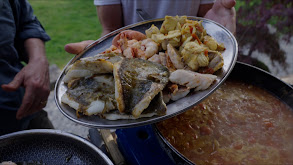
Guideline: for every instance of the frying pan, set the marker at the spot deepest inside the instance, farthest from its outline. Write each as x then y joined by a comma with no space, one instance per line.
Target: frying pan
42,146
250,75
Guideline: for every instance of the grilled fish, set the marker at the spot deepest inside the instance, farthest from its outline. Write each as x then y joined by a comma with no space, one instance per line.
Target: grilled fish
91,96
137,82
88,66
192,79
156,107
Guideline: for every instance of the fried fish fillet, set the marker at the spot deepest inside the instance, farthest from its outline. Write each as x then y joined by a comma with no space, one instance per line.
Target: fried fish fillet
156,107
88,66
175,57
91,96
192,79
137,82
216,60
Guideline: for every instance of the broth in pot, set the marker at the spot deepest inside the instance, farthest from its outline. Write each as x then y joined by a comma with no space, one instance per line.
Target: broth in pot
238,124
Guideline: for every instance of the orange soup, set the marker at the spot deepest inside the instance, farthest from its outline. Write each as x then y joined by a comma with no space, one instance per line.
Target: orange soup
237,124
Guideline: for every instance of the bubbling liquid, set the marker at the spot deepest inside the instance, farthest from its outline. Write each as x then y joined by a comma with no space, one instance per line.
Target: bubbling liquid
237,124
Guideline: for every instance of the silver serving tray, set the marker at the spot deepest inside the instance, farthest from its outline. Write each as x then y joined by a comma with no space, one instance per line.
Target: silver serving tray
214,29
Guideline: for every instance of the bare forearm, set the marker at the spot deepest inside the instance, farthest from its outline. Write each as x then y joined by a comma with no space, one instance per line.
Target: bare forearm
34,77
110,17
35,48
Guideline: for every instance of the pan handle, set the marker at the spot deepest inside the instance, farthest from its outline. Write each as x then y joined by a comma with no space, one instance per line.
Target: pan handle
104,140
96,138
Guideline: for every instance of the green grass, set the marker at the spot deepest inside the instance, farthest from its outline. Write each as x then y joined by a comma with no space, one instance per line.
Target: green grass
66,21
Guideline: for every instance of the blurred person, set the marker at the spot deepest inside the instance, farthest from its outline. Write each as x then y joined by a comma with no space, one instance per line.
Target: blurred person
24,88
115,14
112,14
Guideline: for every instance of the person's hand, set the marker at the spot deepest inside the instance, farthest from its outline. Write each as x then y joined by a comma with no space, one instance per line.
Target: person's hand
76,48
223,12
35,78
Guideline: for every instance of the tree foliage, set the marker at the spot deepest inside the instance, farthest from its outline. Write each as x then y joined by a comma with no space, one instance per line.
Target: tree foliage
254,19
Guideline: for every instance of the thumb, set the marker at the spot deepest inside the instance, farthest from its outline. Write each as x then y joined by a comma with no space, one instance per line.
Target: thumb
75,48
228,4
14,84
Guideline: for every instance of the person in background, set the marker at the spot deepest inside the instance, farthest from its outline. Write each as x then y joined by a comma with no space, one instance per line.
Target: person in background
114,14
24,88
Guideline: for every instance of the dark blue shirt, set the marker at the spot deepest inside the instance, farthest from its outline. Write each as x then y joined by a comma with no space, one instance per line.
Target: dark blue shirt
17,23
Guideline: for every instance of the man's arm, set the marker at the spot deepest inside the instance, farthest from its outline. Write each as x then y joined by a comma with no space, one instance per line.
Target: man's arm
110,17
34,77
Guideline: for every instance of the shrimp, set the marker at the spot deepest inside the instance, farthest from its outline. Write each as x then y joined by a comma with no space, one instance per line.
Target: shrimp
135,44
112,49
133,52
132,49
149,47
128,35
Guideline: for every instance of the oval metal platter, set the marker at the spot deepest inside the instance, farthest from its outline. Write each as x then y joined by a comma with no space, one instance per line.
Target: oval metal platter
214,29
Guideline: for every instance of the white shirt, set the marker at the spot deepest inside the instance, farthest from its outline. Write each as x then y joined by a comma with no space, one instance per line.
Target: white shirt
155,8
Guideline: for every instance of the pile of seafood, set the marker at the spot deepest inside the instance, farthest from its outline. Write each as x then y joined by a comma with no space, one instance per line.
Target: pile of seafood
139,73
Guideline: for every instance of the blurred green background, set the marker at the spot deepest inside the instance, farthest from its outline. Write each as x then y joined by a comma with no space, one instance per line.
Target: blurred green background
66,21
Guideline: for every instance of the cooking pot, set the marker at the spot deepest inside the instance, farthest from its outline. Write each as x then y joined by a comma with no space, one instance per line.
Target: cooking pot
250,75
42,146
148,138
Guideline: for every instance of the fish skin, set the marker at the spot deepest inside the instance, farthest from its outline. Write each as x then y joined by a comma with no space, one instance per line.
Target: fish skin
137,82
91,93
156,107
88,66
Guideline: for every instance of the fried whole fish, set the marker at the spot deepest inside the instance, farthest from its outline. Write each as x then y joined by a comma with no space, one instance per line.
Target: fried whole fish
137,82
